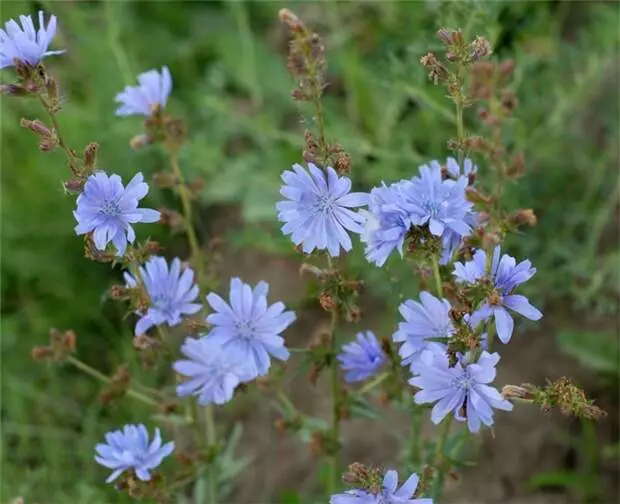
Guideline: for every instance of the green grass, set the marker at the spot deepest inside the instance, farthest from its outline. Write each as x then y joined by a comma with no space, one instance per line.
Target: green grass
231,84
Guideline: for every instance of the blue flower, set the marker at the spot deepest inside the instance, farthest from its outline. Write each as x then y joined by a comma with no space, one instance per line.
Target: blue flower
461,390
387,223
454,170
130,449
108,209
452,241
439,203
362,358
389,494
213,372
505,276
171,293
423,321
247,327
25,43
152,91
317,213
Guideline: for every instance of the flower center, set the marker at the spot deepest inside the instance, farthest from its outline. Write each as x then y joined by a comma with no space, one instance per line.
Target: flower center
465,381
244,330
433,207
110,209
162,303
324,204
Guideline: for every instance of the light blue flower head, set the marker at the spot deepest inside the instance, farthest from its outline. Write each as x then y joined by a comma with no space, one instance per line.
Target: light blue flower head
108,209
317,211
129,449
247,328
25,43
153,90
171,292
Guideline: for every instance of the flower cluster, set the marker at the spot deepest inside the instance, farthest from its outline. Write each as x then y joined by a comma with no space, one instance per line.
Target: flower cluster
388,493
428,200
444,342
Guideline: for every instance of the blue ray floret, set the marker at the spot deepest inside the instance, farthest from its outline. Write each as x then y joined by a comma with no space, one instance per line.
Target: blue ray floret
152,91
248,328
171,292
423,321
213,373
362,358
129,449
25,43
387,223
108,209
505,275
317,211
461,390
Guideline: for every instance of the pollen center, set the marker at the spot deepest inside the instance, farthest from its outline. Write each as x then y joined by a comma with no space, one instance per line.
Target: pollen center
110,209
465,381
245,330
324,204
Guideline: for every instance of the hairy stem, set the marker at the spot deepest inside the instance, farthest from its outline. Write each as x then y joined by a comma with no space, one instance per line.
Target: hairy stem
85,368
70,154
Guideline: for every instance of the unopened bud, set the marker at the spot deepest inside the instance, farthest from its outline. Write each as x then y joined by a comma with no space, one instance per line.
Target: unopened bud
481,47
522,217
517,167
308,156
36,126
90,156
289,18
140,141
119,292
328,303
14,90
343,164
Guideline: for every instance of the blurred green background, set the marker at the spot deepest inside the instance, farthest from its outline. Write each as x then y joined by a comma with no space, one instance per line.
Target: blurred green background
230,83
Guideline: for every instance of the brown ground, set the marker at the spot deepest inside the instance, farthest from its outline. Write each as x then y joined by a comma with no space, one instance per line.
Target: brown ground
526,442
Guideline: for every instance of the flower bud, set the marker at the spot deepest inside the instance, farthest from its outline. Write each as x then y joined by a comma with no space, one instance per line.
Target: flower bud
343,164
90,155
140,141
289,18
522,217
13,90
481,47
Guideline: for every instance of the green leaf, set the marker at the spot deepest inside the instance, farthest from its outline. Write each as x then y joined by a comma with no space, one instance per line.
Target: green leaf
564,479
597,351
361,408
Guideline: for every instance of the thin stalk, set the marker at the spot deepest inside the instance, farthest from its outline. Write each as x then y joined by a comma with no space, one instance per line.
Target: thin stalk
335,392
56,127
415,447
373,383
438,459
211,436
460,129
187,211
85,368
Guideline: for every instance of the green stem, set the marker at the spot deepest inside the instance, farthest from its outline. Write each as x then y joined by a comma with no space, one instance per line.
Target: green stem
211,441
437,276
187,211
335,393
85,368
286,402
439,456
373,383
56,127
415,447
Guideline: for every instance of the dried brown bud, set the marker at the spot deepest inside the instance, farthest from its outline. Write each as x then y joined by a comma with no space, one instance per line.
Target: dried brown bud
517,167
144,342
445,35
475,196
437,72
164,180
522,217
171,218
36,127
309,156
40,353
90,156
74,185
328,303
353,314
509,100
476,144
195,326
481,47
140,141
343,164
317,444
119,292
175,131
287,17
